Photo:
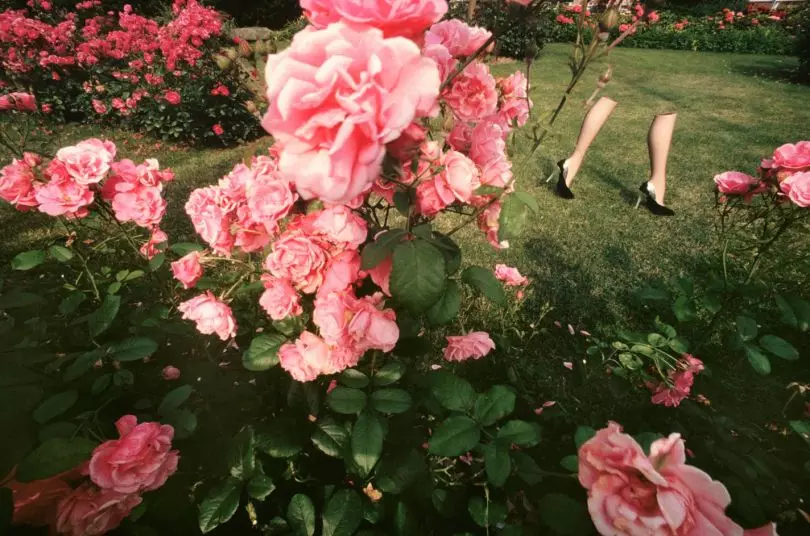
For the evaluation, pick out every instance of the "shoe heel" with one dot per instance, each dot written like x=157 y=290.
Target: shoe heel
x=551 y=177
x=638 y=202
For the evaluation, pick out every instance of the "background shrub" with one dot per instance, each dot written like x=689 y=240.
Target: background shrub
x=801 y=19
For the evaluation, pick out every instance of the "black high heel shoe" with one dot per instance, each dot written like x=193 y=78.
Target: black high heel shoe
x=562 y=190
x=648 y=196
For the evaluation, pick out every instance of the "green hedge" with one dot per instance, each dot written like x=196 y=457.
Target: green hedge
x=802 y=45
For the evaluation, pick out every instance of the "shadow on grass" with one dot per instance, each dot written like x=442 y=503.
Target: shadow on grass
x=782 y=70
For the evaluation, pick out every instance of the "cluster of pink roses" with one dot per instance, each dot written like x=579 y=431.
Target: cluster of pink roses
x=787 y=173
x=632 y=493
x=679 y=382
x=18 y=101
x=120 y=470
x=68 y=185
x=351 y=91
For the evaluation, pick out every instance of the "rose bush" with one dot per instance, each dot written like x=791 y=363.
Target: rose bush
x=155 y=76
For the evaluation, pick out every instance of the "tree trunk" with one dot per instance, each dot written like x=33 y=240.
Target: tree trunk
x=471 y=10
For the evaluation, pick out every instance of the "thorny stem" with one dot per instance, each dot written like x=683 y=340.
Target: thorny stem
x=83 y=259
x=228 y=292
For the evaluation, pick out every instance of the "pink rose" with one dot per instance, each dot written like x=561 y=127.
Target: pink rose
x=406 y=146
x=458 y=37
x=341 y=272
x=509 y=275
x=793 y=157
x=395 y=18
x=473 y=345
x=431 y=198
x=99 y=106
x=797 y=188
x=170 y=373
x=68 y=198
x=35 y=502
x=333 y=130
x=307 y=358
x=458 y=175
x=209 y=211
x=489 y=223
x=172 y=97
x=188 y=269
x=217 y=129
x=472 y=95
x=210 y=314
x=17 y=185
x=150 y=248
x=735 y=183
x=342 y=226
x=332 y=315
x=88 y=161
x=514 y=104
x=679 y=384
x=143 y=205
x=89 y=511
x=269 y=198
x=141 y=459
x=460 y=137
x=299 y=259
x=22 y=102
x=488 y=151
x=372 y=327
x=279 y=299
x=658 y=494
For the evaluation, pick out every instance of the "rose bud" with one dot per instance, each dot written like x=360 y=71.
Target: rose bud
x=245 y=50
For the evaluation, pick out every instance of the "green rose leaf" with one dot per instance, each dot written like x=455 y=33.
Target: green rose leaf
x=779 y=347
x=367 y=441
x=484 y=280
x=494 y=405
x=241 y=454
x=452 y=392
x=99 y=320
x=282 y=440
x=758 y=360
x=71 y=302
x=184 y=248
x=520 y=433
x=455 y=436
x=133 y=349
x=497 y=463
x=55 y=405
x=486 y=514
x=346 y=400
x=450 y=250
x=514 y=213
x=390 y=373
x=301 y=515
x=54 y=456
x=220 y=504
x=391 y=401
x=570 y=463
x=746 y=328
x=353 y=378
x=684 y=309
x=446 y=309
x=28 y=260
x=263 y=352
x=342 y=514
x=418 y=276
x=260 y=486
x=60 y=253
x=583 y=434
x=376 y=252
x=330 y=437
x=174 y=399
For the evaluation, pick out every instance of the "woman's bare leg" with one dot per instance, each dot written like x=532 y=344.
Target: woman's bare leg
x=659 y=140
x=591 y=125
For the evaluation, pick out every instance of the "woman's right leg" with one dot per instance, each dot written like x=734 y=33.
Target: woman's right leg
x=591 y=125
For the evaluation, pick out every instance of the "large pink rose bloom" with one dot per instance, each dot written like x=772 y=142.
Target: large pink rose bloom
x=514 y=103
x=307 y=358
x=458 y=37
x=473 y=345
x=342 y=226
x=472 y=95
x=393 y=17
x=299 y=259
x=459 y=176
x=735 y=183
x=279 y=299
x=17 y=185
x=336 y=97
x=373 y=327
x=140 y=460
x=89 y=511
x=23 y=102
x=209 y=212
x=188 y=269
x=794 y=157
x=64 y=198
x=88 y=161
x=630 y=493
x=210 y=314
x=269 y=199
x=509 y=275
x=797 y=188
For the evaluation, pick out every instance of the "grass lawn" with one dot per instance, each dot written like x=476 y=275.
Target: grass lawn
x=586 y=257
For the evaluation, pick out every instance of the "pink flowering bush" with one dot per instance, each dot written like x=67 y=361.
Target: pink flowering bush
x=124 y=68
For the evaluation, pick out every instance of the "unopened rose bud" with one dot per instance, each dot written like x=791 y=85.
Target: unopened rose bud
x=609 y=19
x=245 y=50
